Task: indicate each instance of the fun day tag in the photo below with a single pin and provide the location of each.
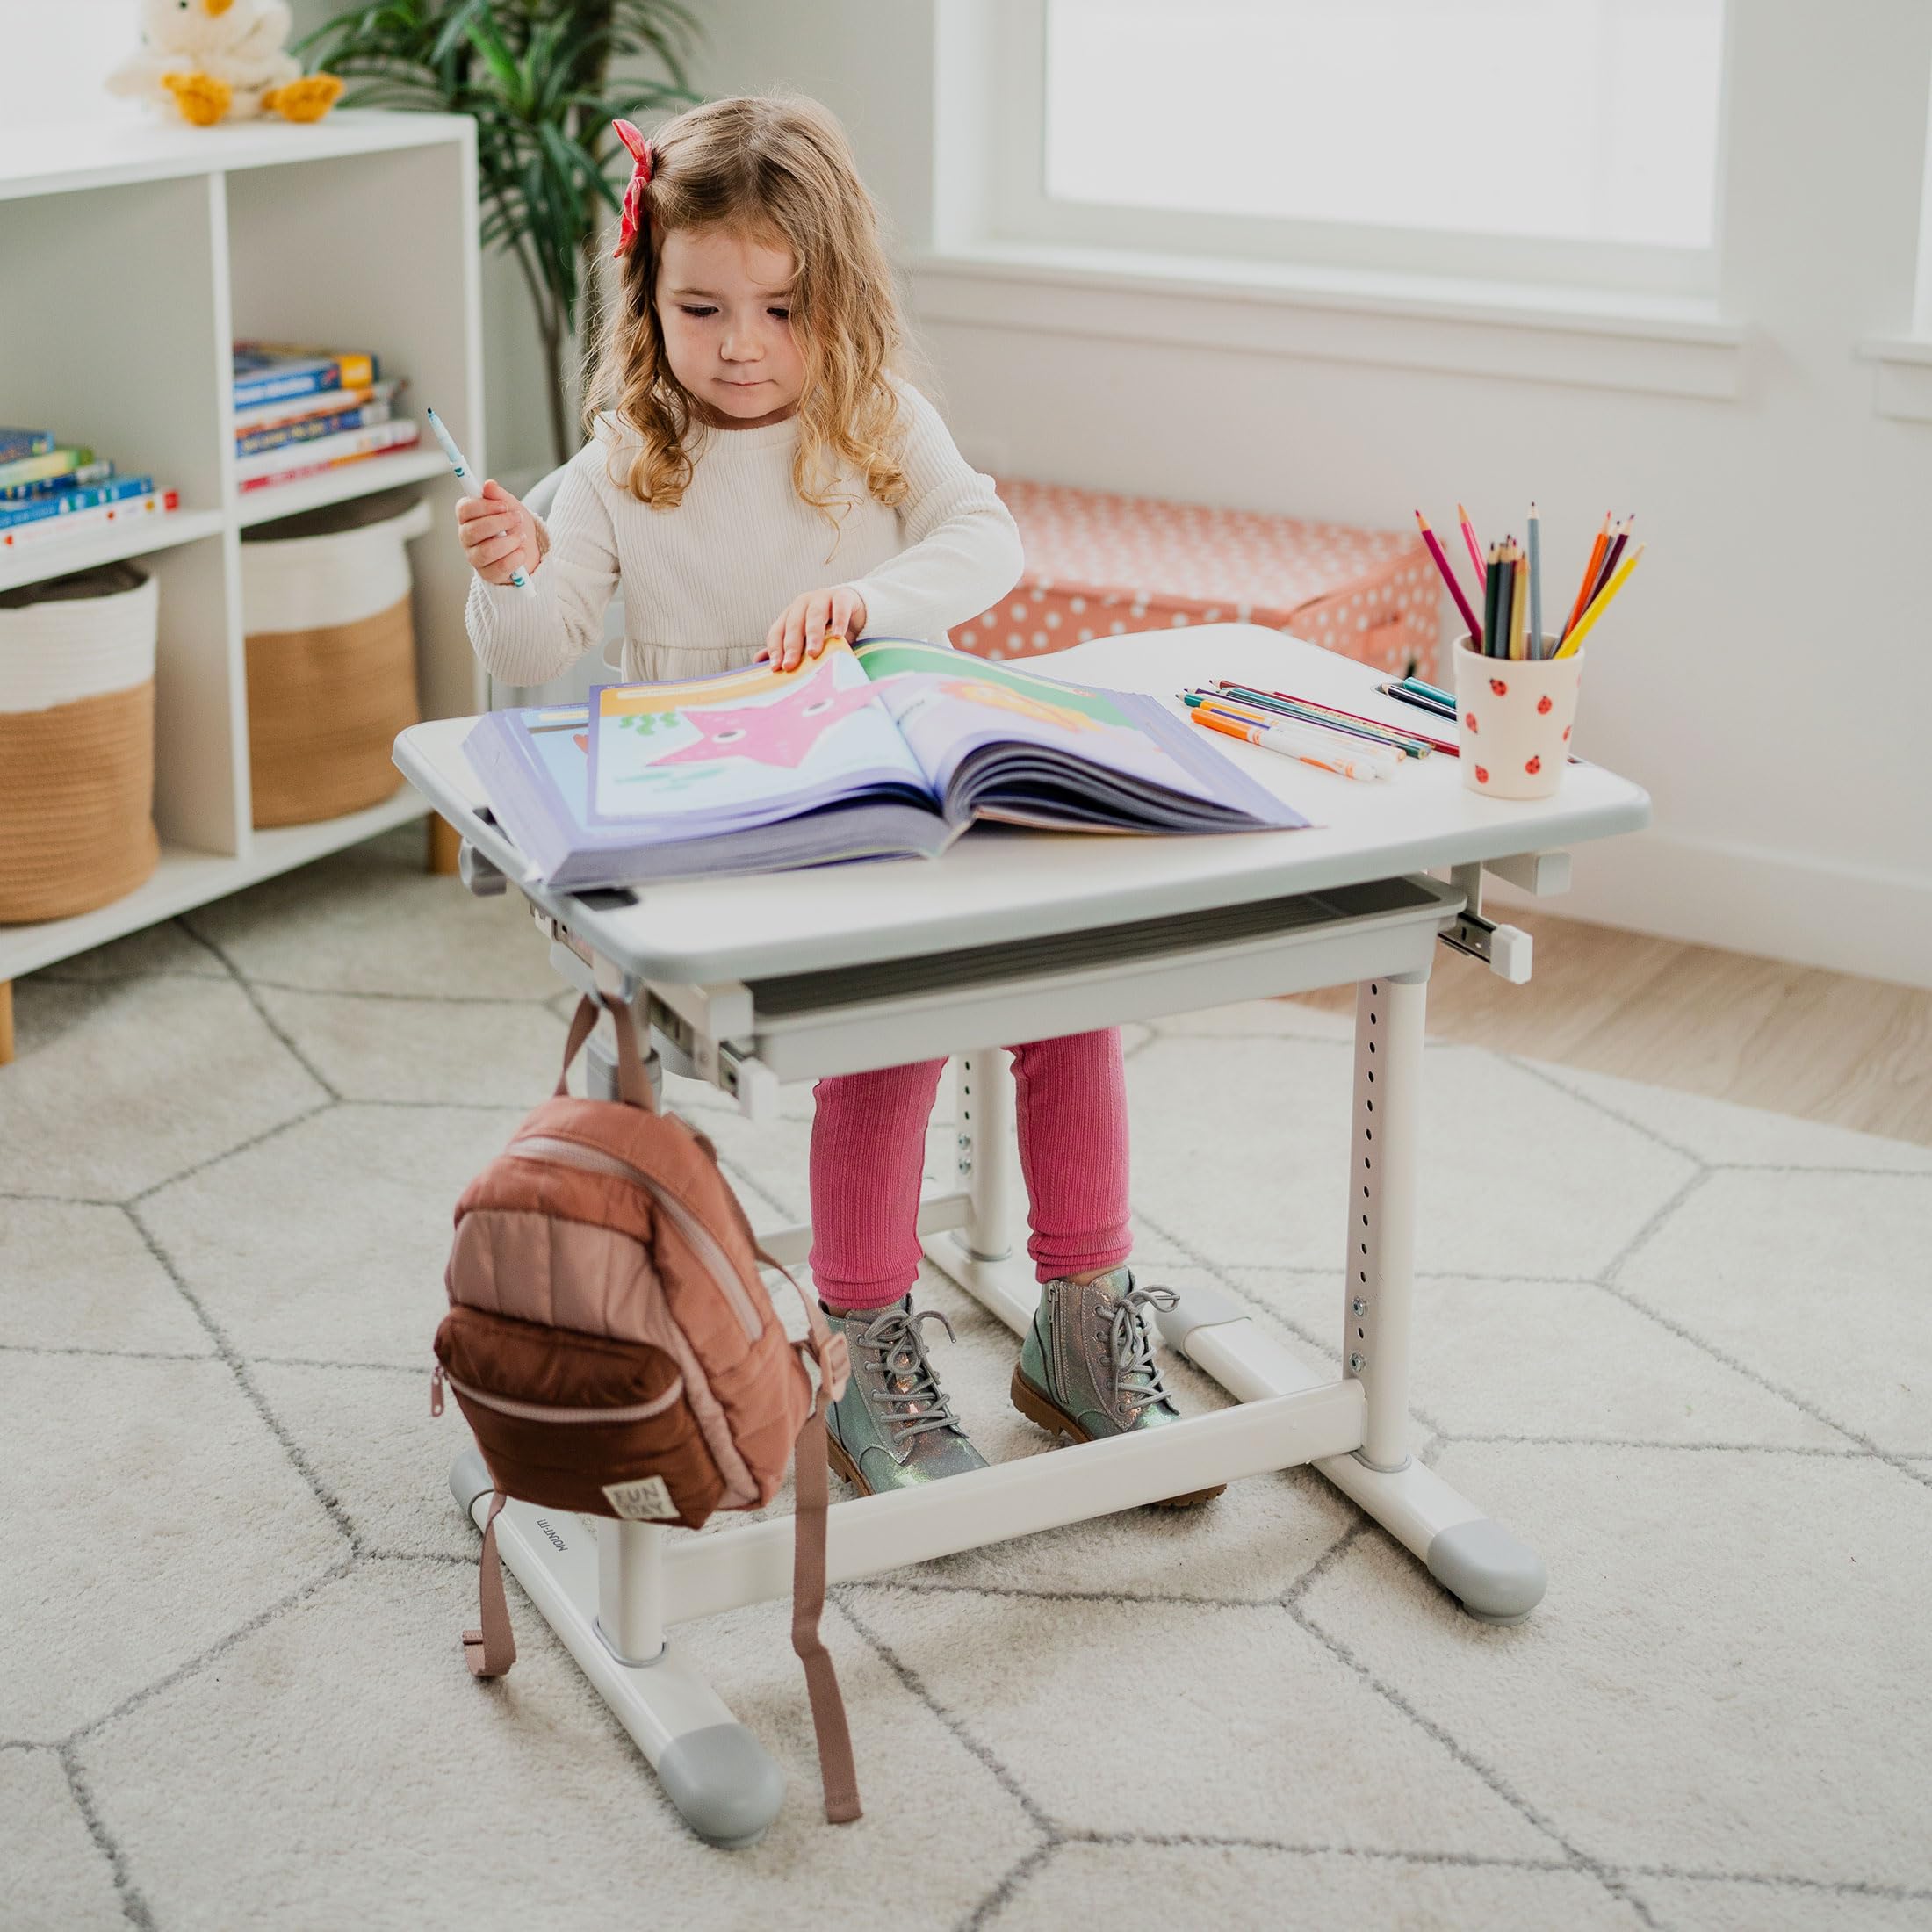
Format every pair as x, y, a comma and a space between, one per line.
646, 1500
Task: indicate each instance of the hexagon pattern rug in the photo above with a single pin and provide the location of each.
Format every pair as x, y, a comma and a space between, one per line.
1683, 1348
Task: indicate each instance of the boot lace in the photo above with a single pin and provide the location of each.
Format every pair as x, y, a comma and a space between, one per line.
908, 1398
1136, 1375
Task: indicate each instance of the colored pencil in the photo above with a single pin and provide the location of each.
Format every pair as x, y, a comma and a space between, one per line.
1519, 602
1469, 538
1600, 603
1536, 583
1492, 602
1332, 716
1587, 589
1429, 690
1434, 706
1612, 557
1448, 575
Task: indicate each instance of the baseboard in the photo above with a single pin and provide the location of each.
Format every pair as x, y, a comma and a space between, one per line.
1849, 918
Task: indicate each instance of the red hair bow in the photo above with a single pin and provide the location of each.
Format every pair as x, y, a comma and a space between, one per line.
640, 179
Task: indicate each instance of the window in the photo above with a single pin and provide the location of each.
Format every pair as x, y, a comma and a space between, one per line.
1539, 139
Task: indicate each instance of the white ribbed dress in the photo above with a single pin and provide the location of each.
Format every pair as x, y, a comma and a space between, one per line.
704, 583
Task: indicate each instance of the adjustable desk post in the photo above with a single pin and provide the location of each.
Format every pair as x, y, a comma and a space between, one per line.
749, 984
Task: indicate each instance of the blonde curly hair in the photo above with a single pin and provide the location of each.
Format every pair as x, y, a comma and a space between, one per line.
777, 170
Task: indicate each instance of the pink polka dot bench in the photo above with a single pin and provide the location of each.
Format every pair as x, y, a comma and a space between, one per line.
1098, 563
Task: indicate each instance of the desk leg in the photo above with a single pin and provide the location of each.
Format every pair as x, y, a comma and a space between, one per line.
1495, 1577
983, 1256
1377, 1305
602, 1591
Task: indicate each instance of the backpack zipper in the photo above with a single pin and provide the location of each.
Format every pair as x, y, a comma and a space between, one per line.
707, 1246
545, 1412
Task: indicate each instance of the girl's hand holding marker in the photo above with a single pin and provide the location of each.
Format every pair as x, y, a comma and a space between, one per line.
499, 535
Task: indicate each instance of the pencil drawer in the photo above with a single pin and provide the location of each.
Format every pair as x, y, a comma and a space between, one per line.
807, 1024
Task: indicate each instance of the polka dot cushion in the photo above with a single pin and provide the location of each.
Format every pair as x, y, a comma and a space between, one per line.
1098, 563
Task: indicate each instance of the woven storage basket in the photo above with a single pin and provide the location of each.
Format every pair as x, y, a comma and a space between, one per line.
331, 656
76, 743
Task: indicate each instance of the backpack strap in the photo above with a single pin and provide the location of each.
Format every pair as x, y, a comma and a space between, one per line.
490, 1651
837, 1772
810, 1486
633, 1084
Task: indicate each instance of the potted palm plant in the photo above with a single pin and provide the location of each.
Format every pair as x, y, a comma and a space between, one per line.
543, 79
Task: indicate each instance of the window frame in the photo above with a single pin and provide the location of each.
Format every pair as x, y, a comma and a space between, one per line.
1016, 209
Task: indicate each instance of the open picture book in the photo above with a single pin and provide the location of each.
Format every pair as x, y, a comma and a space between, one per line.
891, 750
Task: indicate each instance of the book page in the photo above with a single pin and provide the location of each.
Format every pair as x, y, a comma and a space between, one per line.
746, 745
949, 705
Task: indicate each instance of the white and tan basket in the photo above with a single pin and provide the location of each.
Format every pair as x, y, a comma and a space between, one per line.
331, 656
76, 742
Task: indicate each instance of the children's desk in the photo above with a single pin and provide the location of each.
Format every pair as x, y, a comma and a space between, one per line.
1021, 936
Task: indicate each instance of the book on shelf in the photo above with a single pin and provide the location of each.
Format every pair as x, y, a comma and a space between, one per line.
294, 410
37, 469
313, 428
891, 750
81, 523
16, 444
72, 502
299, 459
270, 371
77, 478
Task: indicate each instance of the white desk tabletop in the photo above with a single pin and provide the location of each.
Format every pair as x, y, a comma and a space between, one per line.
1002, 883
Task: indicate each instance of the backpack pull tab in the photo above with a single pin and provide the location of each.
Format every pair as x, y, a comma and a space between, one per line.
834, 1365
435, 1390
491, 1650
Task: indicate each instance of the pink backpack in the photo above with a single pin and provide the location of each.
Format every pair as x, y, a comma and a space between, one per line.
613, 1349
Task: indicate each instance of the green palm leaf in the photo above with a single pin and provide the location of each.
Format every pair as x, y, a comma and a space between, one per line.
535, 75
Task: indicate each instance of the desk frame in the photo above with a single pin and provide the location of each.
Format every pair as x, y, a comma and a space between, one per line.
611, 1590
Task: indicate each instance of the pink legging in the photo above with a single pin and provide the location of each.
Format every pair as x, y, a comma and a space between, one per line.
869, 1156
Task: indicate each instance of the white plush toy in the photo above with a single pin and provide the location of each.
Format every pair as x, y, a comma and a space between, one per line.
208, 59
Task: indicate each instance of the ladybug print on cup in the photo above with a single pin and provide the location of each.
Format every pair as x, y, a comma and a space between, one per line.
1469, 718
1566, 734
1542, 707
1499, 687
1534, 766
1483, 777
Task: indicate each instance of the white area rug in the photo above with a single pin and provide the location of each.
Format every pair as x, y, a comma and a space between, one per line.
1683, 1348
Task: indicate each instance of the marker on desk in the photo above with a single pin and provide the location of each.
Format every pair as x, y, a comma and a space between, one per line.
460, 464
1345, 764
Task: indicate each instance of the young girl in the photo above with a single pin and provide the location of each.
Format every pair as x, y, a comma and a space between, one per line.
762, 479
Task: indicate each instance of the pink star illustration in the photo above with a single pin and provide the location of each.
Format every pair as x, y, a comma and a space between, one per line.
781, 733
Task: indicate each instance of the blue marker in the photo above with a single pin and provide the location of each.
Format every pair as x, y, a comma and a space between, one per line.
460, 464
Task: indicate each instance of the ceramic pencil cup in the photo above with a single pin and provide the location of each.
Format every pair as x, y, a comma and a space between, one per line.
1514, 717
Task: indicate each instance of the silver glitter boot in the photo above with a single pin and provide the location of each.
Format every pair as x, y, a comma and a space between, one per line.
893, 1427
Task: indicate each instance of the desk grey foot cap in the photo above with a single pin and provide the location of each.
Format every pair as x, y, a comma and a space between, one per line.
722, 1781
468, 1478
1497, 1578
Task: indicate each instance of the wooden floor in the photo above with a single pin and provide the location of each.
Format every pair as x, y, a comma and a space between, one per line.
1856, 1052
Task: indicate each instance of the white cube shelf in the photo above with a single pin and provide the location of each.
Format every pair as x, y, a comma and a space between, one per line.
135, 257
